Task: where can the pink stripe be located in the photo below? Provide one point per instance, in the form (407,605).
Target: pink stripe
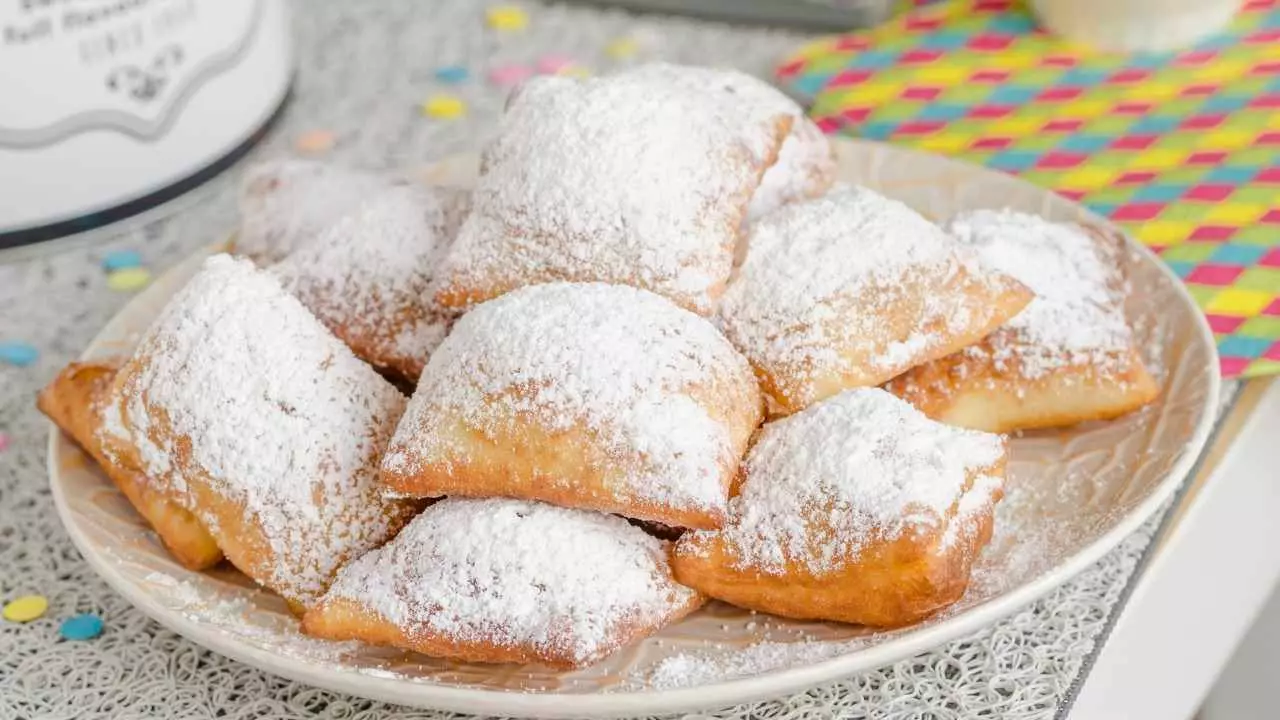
(1138,211)
(1232,366)
(1209,193)
(1223,324)
(1212,233)
(1213,274)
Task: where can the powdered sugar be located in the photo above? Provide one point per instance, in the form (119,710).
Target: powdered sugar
(822,277)
(696,669)
(519,574)
(367,276)
(640,178)
(274,413)
(284,204)
(1077,316)
(859,467)
(805,167)
(619,360)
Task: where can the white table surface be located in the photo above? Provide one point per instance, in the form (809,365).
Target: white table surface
(363,69)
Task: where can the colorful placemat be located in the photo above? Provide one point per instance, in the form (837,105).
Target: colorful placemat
(1183,148)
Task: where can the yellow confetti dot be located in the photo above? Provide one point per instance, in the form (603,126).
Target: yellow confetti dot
(25,608)
(444,107)
(574,71)
(315,142)
(129,279)
(506,17)
(622,48)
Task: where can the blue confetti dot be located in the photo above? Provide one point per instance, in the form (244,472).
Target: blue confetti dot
(121,259)
(81,627)
(18,353)
(451,74)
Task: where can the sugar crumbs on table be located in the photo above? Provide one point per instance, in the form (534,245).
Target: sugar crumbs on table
(504,75)
(315,142)
(129,279)
(121,259)
(25,608)
(506,17)
(444,107)
(452,74)
(622,48)
(552,64)
(18,354)
(85,626)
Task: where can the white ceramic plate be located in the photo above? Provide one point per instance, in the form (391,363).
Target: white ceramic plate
(1072,495)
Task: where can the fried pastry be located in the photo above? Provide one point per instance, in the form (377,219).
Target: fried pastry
(78,401)
(640,178)
(851,289)
(1069,357)
(806,168)
(273,426)
(506,581)
(368,275)
(587,395)
(858,509)
(285,204)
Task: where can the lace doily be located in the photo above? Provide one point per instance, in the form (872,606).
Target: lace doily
(363,68)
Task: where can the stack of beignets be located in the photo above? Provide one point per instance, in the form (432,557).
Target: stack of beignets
(647,261)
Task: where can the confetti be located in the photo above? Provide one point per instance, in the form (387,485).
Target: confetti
(509,74)
(552,64)
(506,17)
(452,74)
(622,48)
(315,142)
(25,608)
(18,353)
(86,626)
(444,107)
(574,71)
(129,279)
(121,259)
(4,441)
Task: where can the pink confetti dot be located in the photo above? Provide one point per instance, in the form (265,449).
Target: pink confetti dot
(552,64)
(509,74)
(4,441)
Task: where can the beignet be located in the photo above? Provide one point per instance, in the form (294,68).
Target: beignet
(511,581)
(78,401)
(368,275)
(1069,357)
(285,204)
(640,178)
(268,426)
(587,395)
(851,289)
(858,509)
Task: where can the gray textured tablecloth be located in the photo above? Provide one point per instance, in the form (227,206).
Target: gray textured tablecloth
(363,68)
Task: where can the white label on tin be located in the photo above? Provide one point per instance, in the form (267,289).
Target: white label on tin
(67,66)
